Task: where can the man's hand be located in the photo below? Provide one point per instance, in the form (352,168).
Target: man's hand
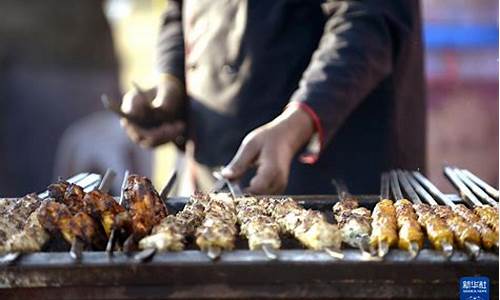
(270,148)
(165,100)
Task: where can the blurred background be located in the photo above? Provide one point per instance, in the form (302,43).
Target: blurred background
(57,57)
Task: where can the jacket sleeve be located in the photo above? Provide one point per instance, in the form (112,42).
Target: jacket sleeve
(171,41)
(354,55)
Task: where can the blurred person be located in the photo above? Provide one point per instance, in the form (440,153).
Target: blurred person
(289,94)
(56,58)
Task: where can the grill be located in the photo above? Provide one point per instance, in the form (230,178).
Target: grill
(297,273)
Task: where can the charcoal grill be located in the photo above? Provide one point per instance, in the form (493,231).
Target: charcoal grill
(298,273)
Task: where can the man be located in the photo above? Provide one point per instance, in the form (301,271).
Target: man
(263,79)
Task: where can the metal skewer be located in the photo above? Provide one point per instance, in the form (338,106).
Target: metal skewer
(472,249)
(236,192)
(475,189)
(464,191)
(383,246)
(112,236)
(485,186)
(77,244)
(414,248)
(406,180)
(364,239)
(149,253)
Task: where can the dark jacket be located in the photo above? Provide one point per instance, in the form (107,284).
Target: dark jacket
(357,66)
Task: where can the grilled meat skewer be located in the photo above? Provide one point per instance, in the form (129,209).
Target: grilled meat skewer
(410,235)
(489,238)
(384,222)
(56,217)
(144,205)
(13,218)
(489,215)
(218,230)
(307,226)
(354,221)
(440,236)
(464,233)
(103,207)
(172,231)
(256,225)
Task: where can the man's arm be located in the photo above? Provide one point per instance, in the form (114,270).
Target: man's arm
(171,42)
(355,54)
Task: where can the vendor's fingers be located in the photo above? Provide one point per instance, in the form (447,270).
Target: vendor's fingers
(134,103)
(267,180)
(242,161)
(131,130)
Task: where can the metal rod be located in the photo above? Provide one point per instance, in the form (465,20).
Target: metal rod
(168,186)
(74,179)
(432,189)
(485,186)
(384,186)
(414,250)
(341,187)
(475,188)
(107,180)
(270,252)
(76,249)
(472,250)
(408,188)
(383,249)
(396,189)
(464,191)
(112,237)
(214,253)
(145,255)
(420,190)
(447,249)
(334,253)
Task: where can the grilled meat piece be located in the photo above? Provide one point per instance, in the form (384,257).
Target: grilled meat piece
(57,190)
(56,217)
(409,228)
(354,222)
(462,231)
(103,207)
(218,229)
(144,205)
(13,216)
(488,237)
(307,226)
(73,198)
(31,239)
(436,228)
(384,224)
(488,215)
(256,225)
(172,231)
(87,230)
